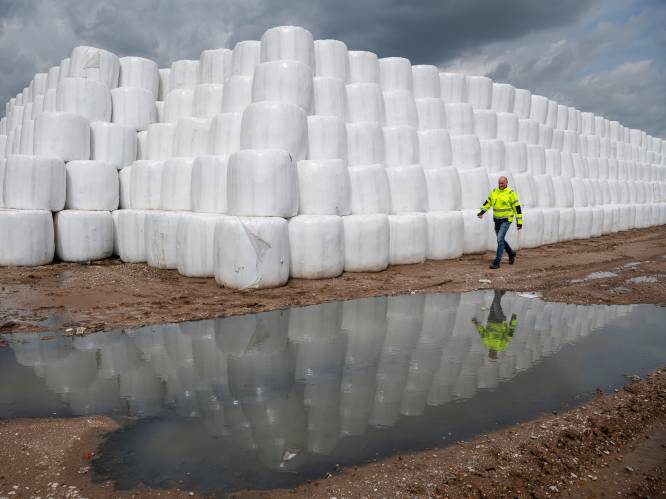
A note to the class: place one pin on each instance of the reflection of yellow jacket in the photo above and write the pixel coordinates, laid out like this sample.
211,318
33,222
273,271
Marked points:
496,335
505,204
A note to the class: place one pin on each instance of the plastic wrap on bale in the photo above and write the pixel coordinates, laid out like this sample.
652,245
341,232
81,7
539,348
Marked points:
366,240
317,246
27,238
91,185
324,187
34,183
82,236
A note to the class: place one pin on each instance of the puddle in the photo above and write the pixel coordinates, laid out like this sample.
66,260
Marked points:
643,279
595,275
273,399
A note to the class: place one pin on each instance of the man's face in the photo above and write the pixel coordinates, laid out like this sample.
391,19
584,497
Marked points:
502,183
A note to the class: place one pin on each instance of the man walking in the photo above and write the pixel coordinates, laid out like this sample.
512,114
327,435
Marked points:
505,204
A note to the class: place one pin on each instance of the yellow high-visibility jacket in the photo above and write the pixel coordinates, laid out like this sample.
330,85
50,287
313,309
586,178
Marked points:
505,204
496,336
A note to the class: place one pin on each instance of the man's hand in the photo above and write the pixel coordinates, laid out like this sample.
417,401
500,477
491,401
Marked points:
520,227
480,214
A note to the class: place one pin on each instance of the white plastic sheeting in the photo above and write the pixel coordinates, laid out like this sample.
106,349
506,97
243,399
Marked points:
245,57
551,226
365,144
479,91
195,237
567,224
140,72
112,143
460,118
493,155
327,138
536,159
370,192
160,237
191,137
366,239
130,235
443,186
159,141
317,246
237,94
178,104
209,184
475,232
431,113
583,223
400,108
34,183
507,127
207,100
407,186
331,59
434,148
485,123
474,188
215,65
27,237
224,134
87,98
329,97
133,107
291,43
395,73
532,233
124,181
91,185
445,235
93,64
275,125
283,81
465,151
401,145
184,74
146,184
82,236
251,252
515,157
526,189
503,97
262,183
453,87
62,135
426,81
175,192
408,238
364,102
324,187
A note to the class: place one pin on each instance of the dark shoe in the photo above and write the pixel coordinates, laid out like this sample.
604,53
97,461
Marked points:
494,265
512,258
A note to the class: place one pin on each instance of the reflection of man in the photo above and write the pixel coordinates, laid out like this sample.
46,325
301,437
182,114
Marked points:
497,334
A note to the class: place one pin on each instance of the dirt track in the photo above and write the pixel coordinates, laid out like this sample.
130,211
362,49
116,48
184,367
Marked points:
111,294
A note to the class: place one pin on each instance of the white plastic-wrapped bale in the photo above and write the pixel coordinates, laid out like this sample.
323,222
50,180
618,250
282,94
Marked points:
545,136
407,186
93,64
485,123
209,184
207,100
431,113
329,97
316,243
237,94
553,162
34,183
507,127
246,56
445,234
570,142
366,239
531,235
526,189
133,107
465,151
583,222
184,74
528,131
536,159
545,191
130,235
551,114
262,183
327,138
291,43
493,155
215,65
401,146
400,108
283,81
474,188
370,192
503,97
408,238
27,237
3,168
91,185
479,91
434,148
460,118
160,233
426,81
62,135
567,225
82,236
579,193
597,221
27,137
124,181
175,193
146,184
324,187
275,125
88,98
443,187
331,59
112,143
539,108
165,83
453,87
159,141
522,103
551,225
364,102
365,144
116,242
141,144
195,248
251,252
191,137
395,73
178,104
515,157
139,72
475,232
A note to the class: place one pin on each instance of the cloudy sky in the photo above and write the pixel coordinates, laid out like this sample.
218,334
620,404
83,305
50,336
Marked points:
605,56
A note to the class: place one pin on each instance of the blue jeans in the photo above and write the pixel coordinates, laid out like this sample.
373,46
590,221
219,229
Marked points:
501,227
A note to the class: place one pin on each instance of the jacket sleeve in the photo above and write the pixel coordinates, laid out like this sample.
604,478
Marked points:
486,205
517,208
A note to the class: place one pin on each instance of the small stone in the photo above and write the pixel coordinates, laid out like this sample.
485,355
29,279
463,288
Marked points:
629,469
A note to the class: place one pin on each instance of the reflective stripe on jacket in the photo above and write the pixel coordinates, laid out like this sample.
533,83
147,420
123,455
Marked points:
505,204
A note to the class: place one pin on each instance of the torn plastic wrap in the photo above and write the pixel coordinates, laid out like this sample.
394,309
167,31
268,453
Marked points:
407,186
366,239
401,145
146,184
329,97
93,64
124,180
251,252
434,148
370,191
275,125
317,246
445,235
175,194
133,107
191,137
365,102
178,104
160,232
207,100
365,144
262,183
82,236
408,238
34,183
195,248
130,235
88,98
115,144
62,135
400,108
283,81
324,187
327,138
460,118
363,67
465,151
27,238
291,43
443,186
91,185
139,72
209,184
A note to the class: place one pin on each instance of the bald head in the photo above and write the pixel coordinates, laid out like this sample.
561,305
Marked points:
502,182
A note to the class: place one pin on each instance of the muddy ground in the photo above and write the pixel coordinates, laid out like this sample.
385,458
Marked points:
612,446
110,294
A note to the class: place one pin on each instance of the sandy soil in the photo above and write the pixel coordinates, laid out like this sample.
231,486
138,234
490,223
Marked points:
110,294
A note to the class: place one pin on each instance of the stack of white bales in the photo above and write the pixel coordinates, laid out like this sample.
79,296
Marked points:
293,157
